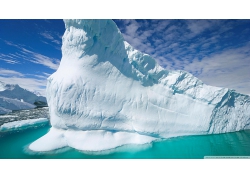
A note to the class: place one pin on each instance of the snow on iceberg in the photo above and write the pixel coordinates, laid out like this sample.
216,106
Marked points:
23,124
107,94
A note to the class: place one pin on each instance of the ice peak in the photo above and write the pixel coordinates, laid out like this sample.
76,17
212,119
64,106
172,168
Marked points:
87,43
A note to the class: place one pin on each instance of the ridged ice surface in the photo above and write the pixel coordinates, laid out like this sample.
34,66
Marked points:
104,85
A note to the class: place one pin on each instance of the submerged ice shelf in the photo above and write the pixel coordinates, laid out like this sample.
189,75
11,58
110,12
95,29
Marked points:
93,140
113,95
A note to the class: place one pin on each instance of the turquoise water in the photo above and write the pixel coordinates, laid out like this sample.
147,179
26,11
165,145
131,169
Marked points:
14,146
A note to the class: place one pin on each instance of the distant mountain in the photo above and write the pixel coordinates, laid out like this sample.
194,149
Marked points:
37,93
4,111
14,104
14,91
14,97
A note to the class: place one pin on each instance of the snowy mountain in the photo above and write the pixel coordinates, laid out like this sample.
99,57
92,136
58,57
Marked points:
37,93
4,111
14,104
13,97
14,91
113,95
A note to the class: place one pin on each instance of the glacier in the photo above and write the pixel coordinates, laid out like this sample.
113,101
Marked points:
107,94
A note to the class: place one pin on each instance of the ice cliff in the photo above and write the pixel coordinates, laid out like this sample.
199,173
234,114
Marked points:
105,94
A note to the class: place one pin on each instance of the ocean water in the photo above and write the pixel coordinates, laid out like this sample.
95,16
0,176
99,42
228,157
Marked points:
14,146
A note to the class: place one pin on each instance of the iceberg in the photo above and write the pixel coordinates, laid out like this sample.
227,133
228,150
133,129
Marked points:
23,124
107,94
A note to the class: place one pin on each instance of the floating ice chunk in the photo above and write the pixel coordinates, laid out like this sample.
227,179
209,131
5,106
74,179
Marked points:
19,125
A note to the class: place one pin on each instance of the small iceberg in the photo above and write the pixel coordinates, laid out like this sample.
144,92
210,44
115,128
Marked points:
24,124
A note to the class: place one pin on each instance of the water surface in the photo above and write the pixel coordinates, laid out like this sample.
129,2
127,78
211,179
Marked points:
14,146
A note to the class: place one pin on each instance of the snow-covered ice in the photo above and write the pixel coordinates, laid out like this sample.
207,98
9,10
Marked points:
19,125
105,94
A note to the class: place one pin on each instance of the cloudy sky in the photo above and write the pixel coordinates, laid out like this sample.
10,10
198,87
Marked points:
216,51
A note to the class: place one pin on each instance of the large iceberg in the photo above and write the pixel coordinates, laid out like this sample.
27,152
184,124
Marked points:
106,94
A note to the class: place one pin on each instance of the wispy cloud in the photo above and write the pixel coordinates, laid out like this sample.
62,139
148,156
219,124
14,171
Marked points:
46,74
196,27
10,59
228,68
205,48
23,53
51,38
37,58
8,73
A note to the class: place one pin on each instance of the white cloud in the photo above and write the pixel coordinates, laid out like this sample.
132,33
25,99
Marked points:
31,84
9,58
230,68
37,58
48,36
28,55
6,72
9,61
132,28
162,25
44,60
35,83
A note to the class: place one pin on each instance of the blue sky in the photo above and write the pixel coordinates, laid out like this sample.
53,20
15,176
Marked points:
215,51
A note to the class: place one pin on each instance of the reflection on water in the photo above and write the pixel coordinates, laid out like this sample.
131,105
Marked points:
15,145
